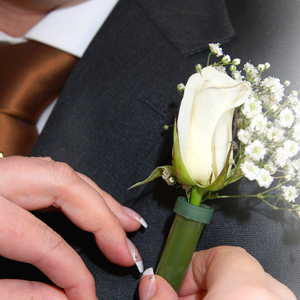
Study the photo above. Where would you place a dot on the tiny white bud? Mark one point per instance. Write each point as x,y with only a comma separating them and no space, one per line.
231,162
180,87
287,83
294,93
198,67
236,61
288,176
226,59
274,108
172,179
267,66
261,67
216,49
232,68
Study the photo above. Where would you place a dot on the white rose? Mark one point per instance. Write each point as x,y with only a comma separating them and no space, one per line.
205,123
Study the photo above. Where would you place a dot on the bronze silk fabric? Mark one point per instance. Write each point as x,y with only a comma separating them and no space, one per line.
32,75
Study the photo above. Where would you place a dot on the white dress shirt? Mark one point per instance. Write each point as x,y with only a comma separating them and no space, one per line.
70,29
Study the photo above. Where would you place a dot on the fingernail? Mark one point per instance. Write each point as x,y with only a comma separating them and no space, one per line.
135,255
150,285
149,271
135,215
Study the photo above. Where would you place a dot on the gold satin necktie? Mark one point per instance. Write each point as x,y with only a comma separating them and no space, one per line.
32,75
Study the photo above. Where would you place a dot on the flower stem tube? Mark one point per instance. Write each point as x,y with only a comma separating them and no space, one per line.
182,241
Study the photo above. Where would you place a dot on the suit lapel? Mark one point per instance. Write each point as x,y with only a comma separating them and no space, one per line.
190,24
108,122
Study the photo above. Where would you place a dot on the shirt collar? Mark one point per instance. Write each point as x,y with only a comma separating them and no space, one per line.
72,28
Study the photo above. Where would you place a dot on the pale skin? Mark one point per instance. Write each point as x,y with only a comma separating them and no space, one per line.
227,273
50,184
28,184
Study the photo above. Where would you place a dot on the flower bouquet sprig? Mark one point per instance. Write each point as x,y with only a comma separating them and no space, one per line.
229,126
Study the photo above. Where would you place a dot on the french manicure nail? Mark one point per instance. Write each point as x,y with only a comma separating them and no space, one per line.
135,255
147,272
150,285
135,215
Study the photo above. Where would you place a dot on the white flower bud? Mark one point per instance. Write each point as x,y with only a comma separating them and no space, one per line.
216,49
180,87
171,181
226,59
274,108
288,177
198,68
267,66
261,67
294,93
236,61
231,162
232,68
287,83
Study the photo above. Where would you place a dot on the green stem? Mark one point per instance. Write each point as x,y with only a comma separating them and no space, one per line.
182,240
208,59
245,196
178,250
196,195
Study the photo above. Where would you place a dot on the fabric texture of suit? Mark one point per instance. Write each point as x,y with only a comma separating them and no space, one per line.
108,124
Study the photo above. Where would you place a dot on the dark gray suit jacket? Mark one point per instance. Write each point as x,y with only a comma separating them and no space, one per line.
108,124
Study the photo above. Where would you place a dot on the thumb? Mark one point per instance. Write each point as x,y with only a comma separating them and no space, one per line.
155,287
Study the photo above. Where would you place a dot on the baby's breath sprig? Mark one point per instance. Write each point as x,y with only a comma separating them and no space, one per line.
268,134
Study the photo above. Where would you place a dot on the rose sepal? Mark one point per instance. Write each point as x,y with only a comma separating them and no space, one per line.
220,181
233,176
155,174
179,168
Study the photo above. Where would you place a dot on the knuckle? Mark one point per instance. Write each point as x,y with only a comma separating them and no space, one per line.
51,243
63,175
51,240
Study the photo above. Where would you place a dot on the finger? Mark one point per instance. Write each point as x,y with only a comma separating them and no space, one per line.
190,289
217,265
27,239
41,183
129,219
23,290
280,289
155,287
227,272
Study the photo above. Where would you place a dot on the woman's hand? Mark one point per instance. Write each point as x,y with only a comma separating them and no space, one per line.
219,273
36,183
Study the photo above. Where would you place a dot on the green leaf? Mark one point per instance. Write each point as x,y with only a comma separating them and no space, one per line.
220,181
155,174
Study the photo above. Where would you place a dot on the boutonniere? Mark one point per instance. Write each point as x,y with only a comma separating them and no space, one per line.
231,124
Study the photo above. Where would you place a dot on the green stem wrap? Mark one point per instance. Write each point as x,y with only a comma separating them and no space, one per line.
182,241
